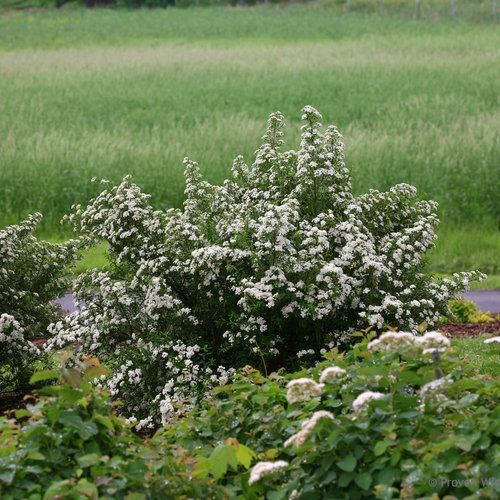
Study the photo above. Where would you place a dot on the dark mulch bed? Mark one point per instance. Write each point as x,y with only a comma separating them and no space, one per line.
470,329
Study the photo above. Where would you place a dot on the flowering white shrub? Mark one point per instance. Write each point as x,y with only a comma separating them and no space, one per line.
32,273
389,341
279,262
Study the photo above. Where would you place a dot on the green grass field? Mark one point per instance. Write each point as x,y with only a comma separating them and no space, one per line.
109,92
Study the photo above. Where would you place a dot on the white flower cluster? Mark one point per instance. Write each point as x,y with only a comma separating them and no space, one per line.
390,341
432,341
261,469
362,401
429,342
434,390
331,373
12,338
308,425
302,389
282,259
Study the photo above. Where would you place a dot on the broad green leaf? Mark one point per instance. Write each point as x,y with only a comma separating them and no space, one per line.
88,460
73,376
276,494
221,458
87,489
348,463
380,448
345,478
7,476
373,370
244,455
363,480
95,371
395,456
35,455
22,413
43,375
71,419
149,453
388,476
107,422
57,489
464,444
70,394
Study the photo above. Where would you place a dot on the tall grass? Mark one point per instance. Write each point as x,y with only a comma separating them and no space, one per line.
106,93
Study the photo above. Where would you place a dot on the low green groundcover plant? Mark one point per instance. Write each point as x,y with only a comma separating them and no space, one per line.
271,269
32,273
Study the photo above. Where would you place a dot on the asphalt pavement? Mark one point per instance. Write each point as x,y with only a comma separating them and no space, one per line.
486,300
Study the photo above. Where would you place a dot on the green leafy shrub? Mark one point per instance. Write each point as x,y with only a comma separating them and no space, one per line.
270,269
466,311
382,425
73,446
32,273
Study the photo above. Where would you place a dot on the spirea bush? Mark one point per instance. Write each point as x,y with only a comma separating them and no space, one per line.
32,273
278,264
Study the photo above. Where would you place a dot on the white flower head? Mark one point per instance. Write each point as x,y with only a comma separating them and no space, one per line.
390,341
434,387
434,390
302,389
492,339
364,399
331,372
261,469
432,341
308,425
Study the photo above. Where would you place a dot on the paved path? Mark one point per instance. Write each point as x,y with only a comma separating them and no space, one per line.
486,300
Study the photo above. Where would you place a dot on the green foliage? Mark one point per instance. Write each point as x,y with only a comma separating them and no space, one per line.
388,448
72,445
32,273
483,357
281,261
466,311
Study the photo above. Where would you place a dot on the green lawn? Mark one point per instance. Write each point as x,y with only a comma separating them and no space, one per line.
109,92
484,357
